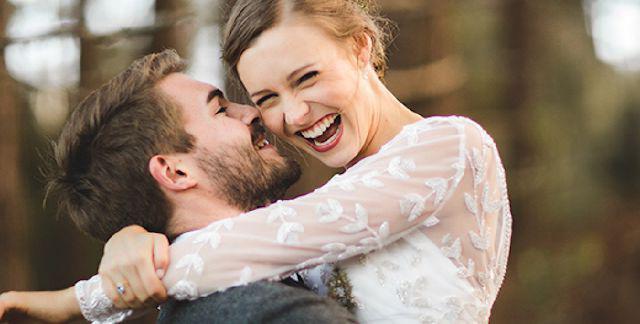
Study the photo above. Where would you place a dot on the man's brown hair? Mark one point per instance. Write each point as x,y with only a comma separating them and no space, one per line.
101,175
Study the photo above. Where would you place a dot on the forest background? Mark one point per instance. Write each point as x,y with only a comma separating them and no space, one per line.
557,83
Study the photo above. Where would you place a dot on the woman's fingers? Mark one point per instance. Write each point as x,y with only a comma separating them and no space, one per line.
136,259
160,254
110,290
136,287
119,291
130,259
152,273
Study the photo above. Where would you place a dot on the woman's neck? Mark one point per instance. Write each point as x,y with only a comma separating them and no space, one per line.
388,117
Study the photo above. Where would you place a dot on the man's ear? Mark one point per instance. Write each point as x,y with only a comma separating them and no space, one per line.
171,173
364,47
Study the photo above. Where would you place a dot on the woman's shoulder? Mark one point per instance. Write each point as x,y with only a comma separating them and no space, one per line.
452,120
426,129
429,134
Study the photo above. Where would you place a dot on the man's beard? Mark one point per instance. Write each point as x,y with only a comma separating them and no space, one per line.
245,179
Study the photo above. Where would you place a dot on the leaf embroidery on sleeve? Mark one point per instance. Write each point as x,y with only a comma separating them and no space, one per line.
343,182
400,167
191,261
487,205
431,221
369,180
359,224
210,237
439,187
383,231
479,241
471,204
369,241
451,248
184,289
329,212
477,164
412,136
288,233
412,206
334,247
468,270
245,276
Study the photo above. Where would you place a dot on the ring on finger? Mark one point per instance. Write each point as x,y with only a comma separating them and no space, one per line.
120,289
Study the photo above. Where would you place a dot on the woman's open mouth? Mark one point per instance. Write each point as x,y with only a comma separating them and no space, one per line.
324,134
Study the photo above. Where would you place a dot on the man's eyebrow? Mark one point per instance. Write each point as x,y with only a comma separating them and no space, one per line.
291,75
216,93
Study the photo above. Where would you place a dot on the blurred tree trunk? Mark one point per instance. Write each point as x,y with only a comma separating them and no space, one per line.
425,71
90,77
14,225
519,41
517,18
177,35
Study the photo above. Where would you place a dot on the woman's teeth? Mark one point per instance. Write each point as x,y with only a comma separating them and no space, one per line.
319,128
329,140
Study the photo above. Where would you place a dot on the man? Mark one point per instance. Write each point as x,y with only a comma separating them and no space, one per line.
154,148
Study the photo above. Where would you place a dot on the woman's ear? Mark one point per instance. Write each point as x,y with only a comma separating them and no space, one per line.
171,173
364,47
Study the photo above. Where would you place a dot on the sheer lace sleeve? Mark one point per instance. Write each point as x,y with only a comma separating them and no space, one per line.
438,175
94,304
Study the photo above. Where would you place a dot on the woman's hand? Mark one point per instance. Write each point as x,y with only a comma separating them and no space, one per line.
135,261
47,306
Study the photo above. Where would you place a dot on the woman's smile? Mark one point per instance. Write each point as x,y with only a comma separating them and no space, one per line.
325,134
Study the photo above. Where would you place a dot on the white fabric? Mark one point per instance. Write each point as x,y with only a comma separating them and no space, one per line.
432,203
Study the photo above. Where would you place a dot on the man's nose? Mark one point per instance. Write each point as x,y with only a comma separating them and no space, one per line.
244,113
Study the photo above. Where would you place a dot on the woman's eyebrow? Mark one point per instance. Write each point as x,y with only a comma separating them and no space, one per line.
289,78
261,92
293,74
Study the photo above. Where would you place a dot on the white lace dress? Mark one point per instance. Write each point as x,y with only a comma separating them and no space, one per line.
422,229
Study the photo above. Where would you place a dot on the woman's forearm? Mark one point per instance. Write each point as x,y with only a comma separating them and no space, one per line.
48,306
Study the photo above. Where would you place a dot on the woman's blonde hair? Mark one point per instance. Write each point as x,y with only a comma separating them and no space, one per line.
344,19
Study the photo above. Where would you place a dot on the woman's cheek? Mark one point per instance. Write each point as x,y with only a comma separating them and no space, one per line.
272,122
329,95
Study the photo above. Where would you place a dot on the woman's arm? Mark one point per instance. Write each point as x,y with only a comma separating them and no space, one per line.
375,202
47,306
404,186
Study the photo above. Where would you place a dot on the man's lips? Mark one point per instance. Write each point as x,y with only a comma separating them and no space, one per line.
258,136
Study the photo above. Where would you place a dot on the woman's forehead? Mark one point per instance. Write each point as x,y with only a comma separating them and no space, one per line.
285,48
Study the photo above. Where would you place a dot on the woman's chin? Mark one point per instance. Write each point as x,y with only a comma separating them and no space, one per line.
335,159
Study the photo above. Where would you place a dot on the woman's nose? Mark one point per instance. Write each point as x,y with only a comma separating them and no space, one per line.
296,113
244,113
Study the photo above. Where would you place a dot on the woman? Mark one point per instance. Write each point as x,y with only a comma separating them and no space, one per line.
428,195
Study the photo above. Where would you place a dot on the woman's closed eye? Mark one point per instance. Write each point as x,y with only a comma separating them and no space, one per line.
306,77
264,99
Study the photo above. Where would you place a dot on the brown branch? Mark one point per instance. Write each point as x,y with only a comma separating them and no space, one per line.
75,30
